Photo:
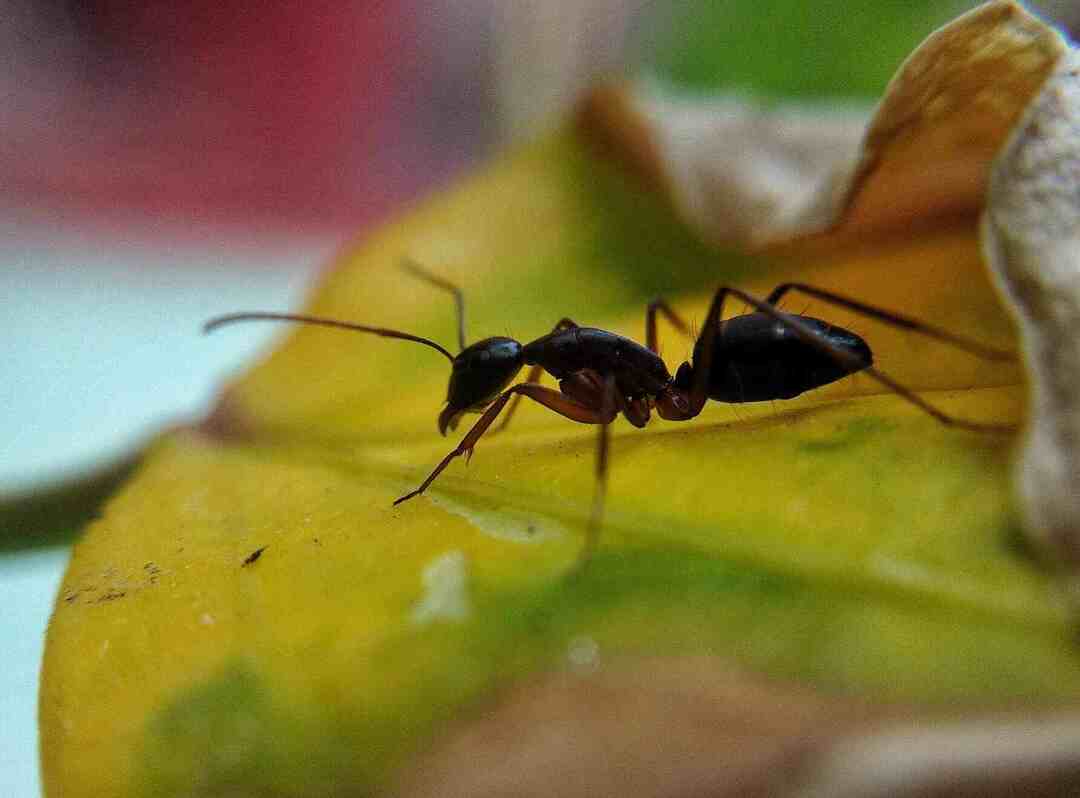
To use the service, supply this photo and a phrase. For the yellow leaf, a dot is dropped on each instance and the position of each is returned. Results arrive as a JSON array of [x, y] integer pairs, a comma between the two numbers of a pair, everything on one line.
[[855, 543]]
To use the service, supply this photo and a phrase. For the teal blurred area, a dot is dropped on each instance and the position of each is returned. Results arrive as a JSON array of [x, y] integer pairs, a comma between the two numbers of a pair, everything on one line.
[[108, 345], [104, 348], [28, 582]]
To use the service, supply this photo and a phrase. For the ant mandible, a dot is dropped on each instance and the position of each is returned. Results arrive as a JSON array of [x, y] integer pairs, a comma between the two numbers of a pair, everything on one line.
[[758, 356]]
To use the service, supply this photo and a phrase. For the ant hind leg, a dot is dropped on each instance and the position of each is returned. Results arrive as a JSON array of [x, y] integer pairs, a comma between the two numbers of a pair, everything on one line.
[[895, 319]]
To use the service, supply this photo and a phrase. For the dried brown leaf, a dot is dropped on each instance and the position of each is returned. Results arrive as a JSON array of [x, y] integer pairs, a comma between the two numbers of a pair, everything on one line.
[[696, 727]]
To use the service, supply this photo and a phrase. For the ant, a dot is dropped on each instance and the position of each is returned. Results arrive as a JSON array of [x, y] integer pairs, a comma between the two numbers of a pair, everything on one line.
[[761, 355]]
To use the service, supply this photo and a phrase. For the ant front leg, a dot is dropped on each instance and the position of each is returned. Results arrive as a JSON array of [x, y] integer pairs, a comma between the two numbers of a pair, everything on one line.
[[551, 399], [894, 319], [534, 375]]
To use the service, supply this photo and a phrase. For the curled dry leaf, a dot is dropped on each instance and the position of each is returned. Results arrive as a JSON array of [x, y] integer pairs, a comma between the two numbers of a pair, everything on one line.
[[737, 172], [658, 728], [945, 116], [1031, 232]]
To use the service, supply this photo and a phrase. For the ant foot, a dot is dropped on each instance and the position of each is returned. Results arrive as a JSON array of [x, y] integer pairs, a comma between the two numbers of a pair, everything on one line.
[[407, 496]]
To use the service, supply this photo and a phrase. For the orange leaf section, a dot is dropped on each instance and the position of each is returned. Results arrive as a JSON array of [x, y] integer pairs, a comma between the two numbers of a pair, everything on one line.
[[946, 115]]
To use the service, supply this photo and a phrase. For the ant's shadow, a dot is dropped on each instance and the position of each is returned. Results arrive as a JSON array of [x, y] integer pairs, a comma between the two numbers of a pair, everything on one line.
[[715, 428]]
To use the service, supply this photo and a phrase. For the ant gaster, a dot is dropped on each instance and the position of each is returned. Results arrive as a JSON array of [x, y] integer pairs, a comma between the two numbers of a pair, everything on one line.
[[762, 355]]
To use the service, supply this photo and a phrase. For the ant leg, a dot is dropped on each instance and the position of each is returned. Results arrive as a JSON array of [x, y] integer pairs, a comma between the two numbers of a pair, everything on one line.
[[551, 399], [382, 332], [608, 410], [699, 390], [895, 319], [533, 376], [415, 269], [856, 363], [660, 305]]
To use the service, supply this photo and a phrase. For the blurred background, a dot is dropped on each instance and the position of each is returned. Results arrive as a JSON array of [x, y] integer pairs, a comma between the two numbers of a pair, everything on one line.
[[163, 162]]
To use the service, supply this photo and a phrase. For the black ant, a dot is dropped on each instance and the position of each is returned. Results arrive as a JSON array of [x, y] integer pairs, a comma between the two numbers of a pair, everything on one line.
[[762, 355]]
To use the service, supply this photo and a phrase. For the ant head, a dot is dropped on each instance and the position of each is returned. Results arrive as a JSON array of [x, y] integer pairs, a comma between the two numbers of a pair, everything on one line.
[[673, 402], [480, 373]]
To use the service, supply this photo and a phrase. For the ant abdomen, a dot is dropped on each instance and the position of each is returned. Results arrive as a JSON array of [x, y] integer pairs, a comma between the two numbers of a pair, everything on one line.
[[757, 358]]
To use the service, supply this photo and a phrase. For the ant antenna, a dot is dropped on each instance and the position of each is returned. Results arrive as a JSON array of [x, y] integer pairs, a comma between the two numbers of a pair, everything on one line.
[[414, 268], [382, 332]]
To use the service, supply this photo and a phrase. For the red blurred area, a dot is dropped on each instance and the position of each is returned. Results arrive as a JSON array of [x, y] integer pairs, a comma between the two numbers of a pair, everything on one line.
[[302, 116]]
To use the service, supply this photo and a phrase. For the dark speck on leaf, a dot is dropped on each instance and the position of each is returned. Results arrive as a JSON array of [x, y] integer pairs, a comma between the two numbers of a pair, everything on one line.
[[251, 558]]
